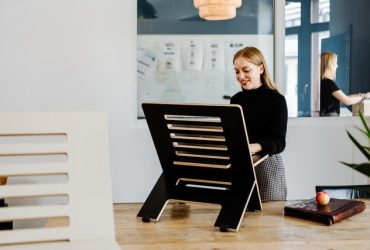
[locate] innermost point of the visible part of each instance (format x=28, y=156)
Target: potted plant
x=364, y=167
x=362, y=191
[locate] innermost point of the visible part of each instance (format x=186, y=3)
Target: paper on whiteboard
x=169, y=56
x=214, y=56
x=146, y=63
x=231, y=49
x=192, y=55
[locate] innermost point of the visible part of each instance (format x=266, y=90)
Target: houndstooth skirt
x=271, y=178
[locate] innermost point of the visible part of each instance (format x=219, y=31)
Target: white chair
x=84, y=146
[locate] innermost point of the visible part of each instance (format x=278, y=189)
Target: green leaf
x=359, y=146
x=363, y=168
x=362, y=131
x=367, y=130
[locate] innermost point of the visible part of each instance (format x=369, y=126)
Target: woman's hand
x=255, y=148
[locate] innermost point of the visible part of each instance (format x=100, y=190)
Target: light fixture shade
x=217, y=9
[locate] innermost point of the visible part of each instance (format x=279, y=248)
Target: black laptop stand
x=205, y=157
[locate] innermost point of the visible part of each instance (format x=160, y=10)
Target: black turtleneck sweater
x=266, y=115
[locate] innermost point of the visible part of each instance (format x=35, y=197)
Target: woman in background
x=265, y=114
x=330, y=95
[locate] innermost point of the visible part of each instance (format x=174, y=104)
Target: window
x=320, y=11
x=306, y=24
x=292, y=14
x=291, y=70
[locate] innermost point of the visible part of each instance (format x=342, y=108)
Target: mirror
x=339, y=26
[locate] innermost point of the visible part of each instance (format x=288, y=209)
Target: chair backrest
x=69, y=144
x=346, y=191
x=202, y=145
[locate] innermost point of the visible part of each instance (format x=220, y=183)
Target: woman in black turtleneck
x=265, y=114
x=330, y=94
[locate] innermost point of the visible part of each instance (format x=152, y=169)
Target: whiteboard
x=192, y=68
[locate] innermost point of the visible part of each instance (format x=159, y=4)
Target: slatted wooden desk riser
x=205, y=157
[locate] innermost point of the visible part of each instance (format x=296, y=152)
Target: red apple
x=322, y=198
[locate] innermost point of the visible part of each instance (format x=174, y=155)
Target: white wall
x=77, y=55
x=81, y=55
x=315, y=147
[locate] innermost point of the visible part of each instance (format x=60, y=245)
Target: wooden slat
x=199, y=146
x=33, y=212
x=258, y=159
x=194, y=128
x=202, y=165
x=33, y=149
x=226, y=183
x=13, y=191
x=192, y=118
x=187, y=154
x=33, y=134
x=197, y=137
x=34, y=169
x=34, y=235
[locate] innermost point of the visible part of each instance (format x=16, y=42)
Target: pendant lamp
x=217, y=9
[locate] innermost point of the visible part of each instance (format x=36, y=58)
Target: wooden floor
x=190, y=226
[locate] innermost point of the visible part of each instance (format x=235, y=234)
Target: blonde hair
x=328, y=62
x=255, y=56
